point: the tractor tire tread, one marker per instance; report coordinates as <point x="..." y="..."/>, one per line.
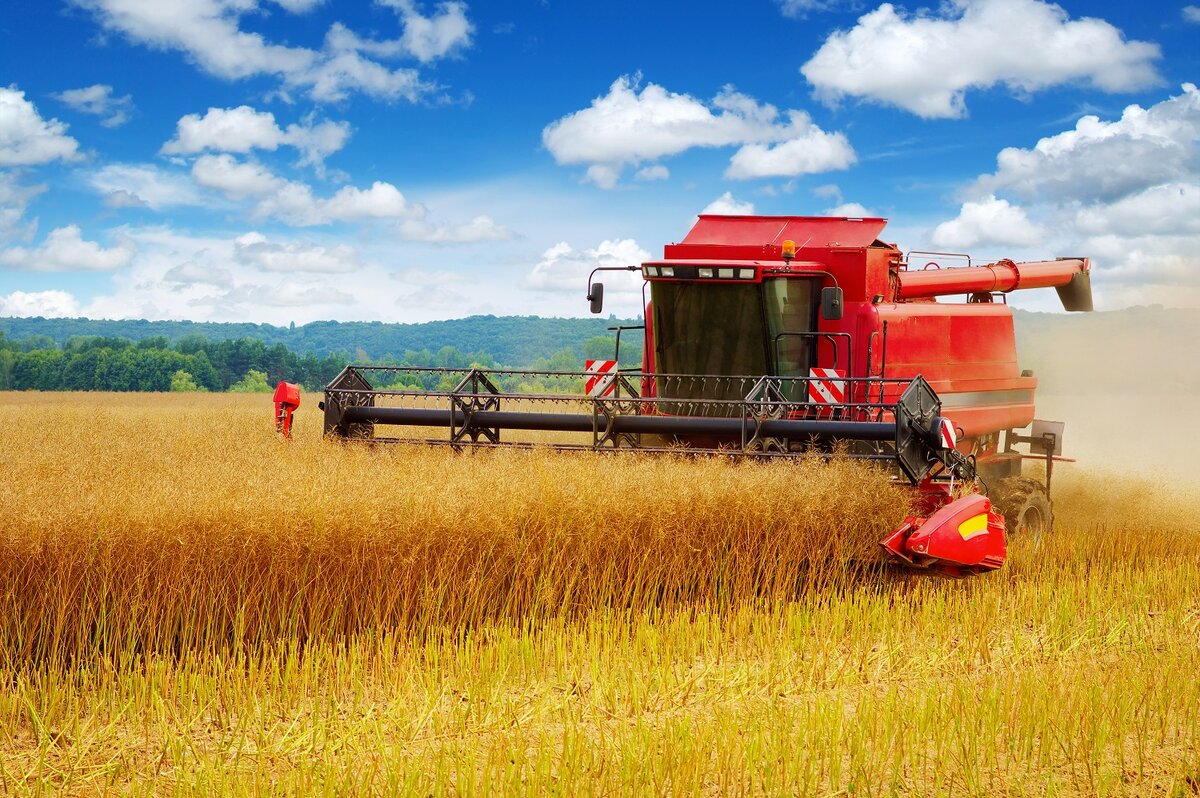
<point x="1018" y="497"/>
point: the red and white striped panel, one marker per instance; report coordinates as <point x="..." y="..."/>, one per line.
<point x="947" y="435"/>
<point x="826" y="386"/>
<point x="601" y="379"/>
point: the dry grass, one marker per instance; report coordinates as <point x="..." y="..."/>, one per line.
<point x="190" y="607"/>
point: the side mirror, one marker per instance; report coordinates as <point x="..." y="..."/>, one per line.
<point x="831" y="303"/>
<point x="597" y="297"/>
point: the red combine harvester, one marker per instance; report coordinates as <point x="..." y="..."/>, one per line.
<point x="784" y="336"/>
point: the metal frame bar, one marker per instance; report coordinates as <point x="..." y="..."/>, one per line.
<point x="1048" y="442"/>
<point x="760" y="422"/>
<point x="469" y="403"/>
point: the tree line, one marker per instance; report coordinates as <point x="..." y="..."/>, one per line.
<point x="195" y="363"/>
<point x="512" y="340"/>
<point x="155" y="364"/>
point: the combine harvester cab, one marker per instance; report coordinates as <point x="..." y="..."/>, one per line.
<point x="778" y="337"/>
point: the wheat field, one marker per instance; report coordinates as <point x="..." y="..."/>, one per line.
<point x="189" y="606"/>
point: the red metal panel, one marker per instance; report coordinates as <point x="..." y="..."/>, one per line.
<point x="809" y="232"/>
<point x="968" y="355"/>
<point x="917" y="337"/>
<point x="983" y="334"/>
<point x="983" y="419"/>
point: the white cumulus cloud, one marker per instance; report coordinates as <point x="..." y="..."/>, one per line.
<point x="1167" y="209"/>
<point x="926" y="62"/>
<point x="852" y="210"/>
<point x="1106" y="160"/>
<point x="190" y="273"/>
<point x="98" y="100"/>
<point x="563" y="268"/>
<point x="65" y="250"/>
<point x="295" y="204"/>
<point x="210" y="34"/>
<point x="799" y="9"/>
<point x="653" y="172"/>
<point x="812" y="150"/>
<point x="1191" y="14"/>
<point x="235" y="179"/>
<point x="481" y="228"/>
<point x="1125" y="193"/>
<point x="287" y="294"/>
<point x="269" y="277"/>
<point x="433" y="37"/>
<point x="15" y="197"/>
<point x="728" y="206"/>
<point x="126" y="185"/>
<point x="990" y="221"/>
<point x="243" y="129"/>
<point x="630" y="127"/>
<point x="299" y="6"/>
<point x="180" y="276"/>
<point x="255" y="249"/>
<point x="26" y="139"/>
<point x="603" y="175"/>
<point x="122" y="198"/>
<point x="51" y="304"/>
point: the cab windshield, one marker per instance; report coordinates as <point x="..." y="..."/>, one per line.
<point x="708" y="328"/>
<point x="741" y="329"/>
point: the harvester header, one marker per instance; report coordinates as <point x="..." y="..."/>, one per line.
<point x="780" y="337"/>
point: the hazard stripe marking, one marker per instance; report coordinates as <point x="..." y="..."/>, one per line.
<point x="601" y="380"/>
<point x="826" y="386"/>
<point x="949" y="439"/>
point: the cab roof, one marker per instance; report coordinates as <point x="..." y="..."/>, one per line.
<point x="760" y="236"/>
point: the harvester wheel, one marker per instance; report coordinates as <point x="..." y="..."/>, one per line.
<point x="1026" y="507"/>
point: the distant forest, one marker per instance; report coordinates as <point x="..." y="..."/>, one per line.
<point x="93" y="355"/>
<point x="1138" y="351"/>
<point x="511" y="340"/>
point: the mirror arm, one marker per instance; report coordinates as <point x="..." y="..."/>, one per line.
<point x="591" y="292"/>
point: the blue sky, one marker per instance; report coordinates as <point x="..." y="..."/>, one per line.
<point x="394" y="160"/>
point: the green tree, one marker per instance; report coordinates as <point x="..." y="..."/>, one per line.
<point x="562" y="360"/>
<point x="152" y="368"/>
<point x="155" y="342"/>
<point x="80" y="369"/>
<point x="39" y="370"/>
<point x="201" y="368"/>
<point x="253" y="382"/>
<point x="599" y="347"/>
<point x="191" y="343"/>
<point x="182" y="382"/>
<point x="8" y="359"/>
<point x="116" y="373"/>
<point x="33" y="343"/>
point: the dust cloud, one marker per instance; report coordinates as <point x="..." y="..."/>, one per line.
<point x="1126" y="382"/>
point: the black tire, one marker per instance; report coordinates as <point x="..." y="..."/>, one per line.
<point x="1025" y="505"/>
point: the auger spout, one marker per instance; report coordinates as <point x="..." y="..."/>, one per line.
<point x="1071" y="276"/>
